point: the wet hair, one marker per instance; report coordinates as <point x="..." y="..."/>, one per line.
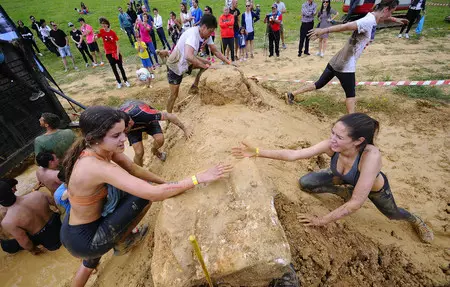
<point x="328" y="8"/>
<point x="10" y="181"/>
<point x="44" y="158"/>
<point x="209" y="9"/>
<point x="126" y="117"/>
<point x="184" y="9"/>
<point x="7" y="196"/>
<point x="390" y="4"/>
<point x="361" y="125"/>
<point x="105" y="21"/>
<point x="95" y="122"/>
<point x="51" y="119"/>
<point x="209" y="20"/>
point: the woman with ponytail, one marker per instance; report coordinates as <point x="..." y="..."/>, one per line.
<point x="93" y="166"/>
<point x="355" y="161"/>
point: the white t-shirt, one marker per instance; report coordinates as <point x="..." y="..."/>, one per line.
<point x="345" y="60"/>
<point x="248" y="22"/>
<point x="177" y="61"/>
<point x="281" y="7"/>
<point x="188" y="24"/>
<point x="158" y="21"/>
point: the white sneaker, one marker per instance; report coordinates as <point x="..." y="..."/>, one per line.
<point x="321" y="55"/>
<point x="119" y="85"/>
<point x="87" y="65"/>
<point x="102" y="64"/>
<point x="40" y="54"/>
<point x="65" y="70"/>
<point x="94" y="65"/>
<point x="75" y="68"/>
<point x="318" y="54"/>
<point x="407" y="36"/>
<point x="127" y="84"/>
<point x="399" y="36"/>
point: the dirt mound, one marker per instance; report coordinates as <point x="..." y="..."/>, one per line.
<point x="226" y="85"/>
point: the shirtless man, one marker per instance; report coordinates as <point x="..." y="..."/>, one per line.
<point x="29" y="219"/>
<point x="47" y="173"/>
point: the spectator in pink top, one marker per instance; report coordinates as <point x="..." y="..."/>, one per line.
<point x="88" y="32"/>
<point x="144" y="32"/>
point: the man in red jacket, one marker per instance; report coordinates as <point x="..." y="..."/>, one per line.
<point x="226" y="23"/>
<point x="274" y="20"/>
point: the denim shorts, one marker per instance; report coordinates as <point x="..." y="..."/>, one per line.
<point x="65" y="51"/>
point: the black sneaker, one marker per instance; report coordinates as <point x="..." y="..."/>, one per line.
<point x="307" y="54"/>
<point x="290" y="98"/>
<point x="289" y="279"/>
<point x="299" y="54"/>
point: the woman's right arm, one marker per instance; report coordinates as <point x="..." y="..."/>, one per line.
<point x="121" y="179"/>
<point x="245" y="150"/>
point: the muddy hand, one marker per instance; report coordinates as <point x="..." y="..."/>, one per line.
<point x="188" y="132"/>
<point x="310" y="220"/>
<point x="244" y="150"/>
<point x="314" y="33"/>
<point x="214" y="173"/>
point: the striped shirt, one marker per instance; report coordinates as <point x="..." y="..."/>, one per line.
<point x="308" y="11"/>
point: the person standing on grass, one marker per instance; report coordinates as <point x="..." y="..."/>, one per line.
<point x="174" y="28"/>
<point x="131" y="12"/>
<point x="77" y="38"/>
<point x="309" y="9"/>
<point x="160" y="29"/>
<point x="150" y="21"/>
<point x="45" y="33"/>
<point x="226" y="23"/>
<point x="145" y="118"/>
<point x="326" y="15"/>
<point x="61" y="41"/>
<point x="343" y="64"/>
<point x="236" y="13"/>
<point x="88" y="32"/>
<point x="184" y="57"/>
<point x="274" y="20"/>
<point x="144" y="31"/>
<point x="141" y="48"/>
<point x="281" y="7"/>
<point x="186" y="18"/>
<point x="36" y="26"/>
<point x="126" y="23"/>
<point x="412" y="15"/>
<point x="208" y="10"/>
<point x="248" y="18"/>
<point x="196" y="12"/>
<point x="27" y="36"/>
<point x="112" y="51"/>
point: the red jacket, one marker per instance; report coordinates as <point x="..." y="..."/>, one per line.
<point x="226" y="24"/>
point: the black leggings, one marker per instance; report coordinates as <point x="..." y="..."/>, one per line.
<point x="228" y="42"/>
<point x="90" y="241"/>
<point x="162" y="37"/>
<point x="412" y="15"/>
<point x="274" y="41"/>
<point x="323" y="181"/>
<point x="32" y="44"/>
<point x="304" y="28"/>
<point x="347" y="81"/>
<point x="84" y="51"/>
<point x="113" y="62"/>
<point x="207" y="51"/>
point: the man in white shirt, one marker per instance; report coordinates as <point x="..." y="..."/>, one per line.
<point x="343" y="64"/>
<point x="159" y="29"/>
<point x="184" y="56"/>
<point x="282" y="9"/>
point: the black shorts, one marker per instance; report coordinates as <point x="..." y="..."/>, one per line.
<point x="347" y="80"/>
<point x="173" y="78"/>
<point x="152" y="128"/>
<point x="251" y="36"/>
<point x="93" y="47"/>
<point x="91" y="240"/>
<point x="48" y="236"/>
<point x="10" y="246"/>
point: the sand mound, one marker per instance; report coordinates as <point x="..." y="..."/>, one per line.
<point x="226" y="85"/>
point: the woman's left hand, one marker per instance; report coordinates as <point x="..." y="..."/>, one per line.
<point x="311" y="220"/>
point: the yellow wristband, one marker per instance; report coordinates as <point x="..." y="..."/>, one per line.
<point x="257" y="151"/>
<point x="194" y="180"/>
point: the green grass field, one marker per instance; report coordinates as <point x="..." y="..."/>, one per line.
<point x="63" y="12"/>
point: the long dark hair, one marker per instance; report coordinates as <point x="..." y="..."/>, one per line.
<point x="184" y="10"/>
<point x="361" y="125"/>
<point x="209" y="9"/>
<point x="95" y="122"/>
<point x="328" y="8"/>
<point x="391" y="4"/>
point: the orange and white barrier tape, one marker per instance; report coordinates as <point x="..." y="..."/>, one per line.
<point x="384" y="84"/>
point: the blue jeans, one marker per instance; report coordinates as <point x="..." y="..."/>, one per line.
<point x="323" y="181"/>
<point x="152" y="52"/>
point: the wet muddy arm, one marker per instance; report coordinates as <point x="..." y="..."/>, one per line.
<point x="292" y="155"/>
<point x="20" y="235"/>
<point x="173" y="119"/>
<point x="124" y="162"/>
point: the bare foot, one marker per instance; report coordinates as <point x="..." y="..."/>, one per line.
<point x="188" y="132"/>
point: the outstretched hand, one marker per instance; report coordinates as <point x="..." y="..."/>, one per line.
<point x="310" y="220"/>
<point x="215" y="173"/>
<point x="313" y="34"/>
<point x="244" y="150"/>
